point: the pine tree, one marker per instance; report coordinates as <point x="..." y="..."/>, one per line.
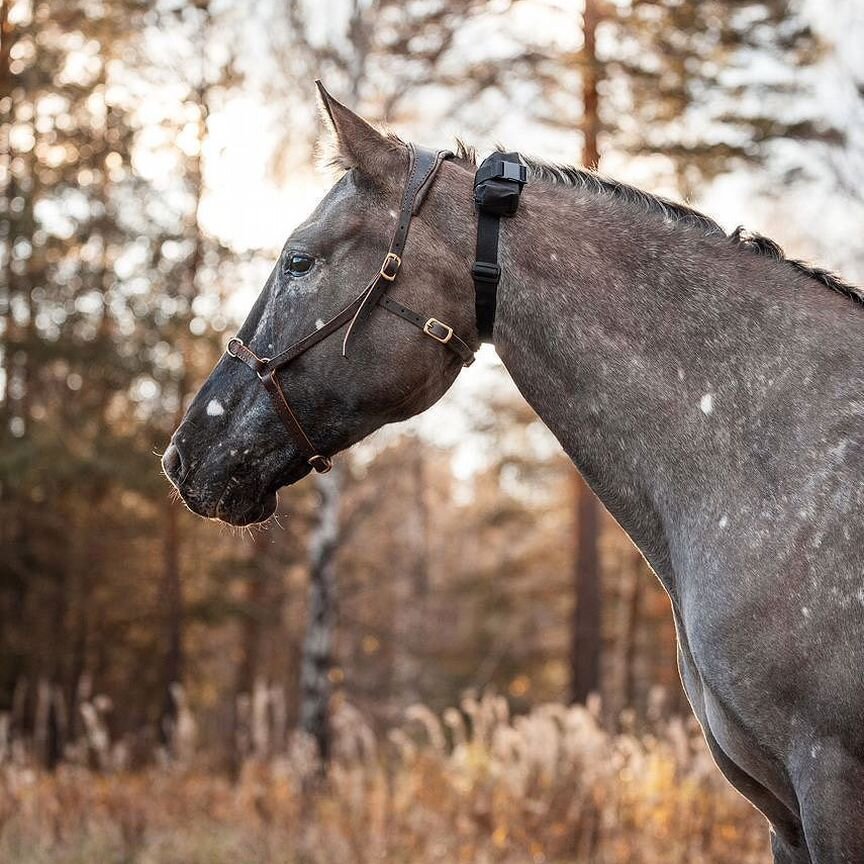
<point x="102" y="284"/>
<point x="68" y="145"/>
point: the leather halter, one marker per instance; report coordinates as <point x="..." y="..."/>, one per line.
<point x="422" y="167"/>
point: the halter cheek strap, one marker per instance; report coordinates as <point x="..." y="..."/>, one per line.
<point x="423" y="165"/>
<point x="422" y="168"/>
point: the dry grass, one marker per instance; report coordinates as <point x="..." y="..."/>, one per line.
<point x="474" y="786"/>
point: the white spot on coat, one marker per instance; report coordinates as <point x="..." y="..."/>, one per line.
<point x="214" y="408"/>
<point x="319" y="324"/>
<point x="706" y="403"/>
<point x="805" y="611"/>
<point x="724" y="521"/>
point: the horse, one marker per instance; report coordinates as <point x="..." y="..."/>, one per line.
<point x="709" y="389"/>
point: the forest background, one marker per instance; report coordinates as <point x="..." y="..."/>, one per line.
<point x="494" y="681"/>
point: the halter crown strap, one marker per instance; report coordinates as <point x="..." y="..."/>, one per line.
<point x="423" y="165"/>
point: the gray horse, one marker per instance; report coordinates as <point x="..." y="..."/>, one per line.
<point x="710" y="391"/>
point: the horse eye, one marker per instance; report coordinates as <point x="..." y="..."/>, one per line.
<point x="299" y="264"/>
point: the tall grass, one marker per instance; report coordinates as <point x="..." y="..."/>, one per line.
<point x="476" y="785"/>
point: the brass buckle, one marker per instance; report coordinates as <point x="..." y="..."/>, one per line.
<point x="392" y="257"/>
<point x="434" y="322"/>
<point x="231" y="342"/>
<point x="322" y="464"/>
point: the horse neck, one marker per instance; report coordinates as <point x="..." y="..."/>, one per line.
<point x="650" y="353"/>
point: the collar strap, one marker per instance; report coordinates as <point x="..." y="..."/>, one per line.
<point x="497" y="186"/>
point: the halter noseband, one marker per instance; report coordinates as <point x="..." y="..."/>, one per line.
<point x="422" y="168"/>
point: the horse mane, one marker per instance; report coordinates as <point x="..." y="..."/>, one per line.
<point x="762" y="245"/>
<point x="579" y="178"/>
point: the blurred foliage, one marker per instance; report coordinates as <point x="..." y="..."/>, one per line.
<point x="473" y="786"/>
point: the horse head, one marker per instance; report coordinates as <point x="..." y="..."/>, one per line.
<point x="333" y="364"/>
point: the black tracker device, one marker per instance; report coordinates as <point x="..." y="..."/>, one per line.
<point x="497" y="186"/>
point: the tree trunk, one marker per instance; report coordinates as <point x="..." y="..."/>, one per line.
<point x="172" y="595"/>
<point x="172" y="603"/>
<point x="317" y="644"/>
<point x="6" y="39"/>
<point x="586" y="639"/>
<point x="410" y="609"/>
<point x="586" y="636"/>
<point x="631" y="628"/>
<point x="590" y="77"/>
<point x="247" y="669"/>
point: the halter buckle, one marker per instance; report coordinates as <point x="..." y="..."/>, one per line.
<point x="439" y="331"/>
<point x="385" y="272"/>
<point x="232" y="341"/>
<point x="322" y="464"/>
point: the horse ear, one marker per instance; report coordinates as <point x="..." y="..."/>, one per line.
<point x="355" y="144"/>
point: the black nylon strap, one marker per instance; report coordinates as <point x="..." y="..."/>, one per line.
<point x="486" y="273"/>
<point x="497" y="186"/>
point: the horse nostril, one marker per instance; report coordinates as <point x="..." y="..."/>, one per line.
<point x="172" y="463"/>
